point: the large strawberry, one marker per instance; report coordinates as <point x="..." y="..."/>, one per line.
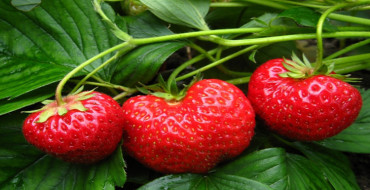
<point x="299" y="104"/>
<point x="85" y="129"/>
<point x="213" y="122"/>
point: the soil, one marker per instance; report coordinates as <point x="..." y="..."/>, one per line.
<point x="361" y="168"/>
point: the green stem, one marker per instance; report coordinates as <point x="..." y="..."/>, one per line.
<point x="284" y="38"/>
<point x="350" y="63"/>
<point x="350" y="19"/>
<point x="196" y="59"/>
<point x="142" y="41"/>
<point x="352" y="67"/>
<point x="348" y="49"/>
<point x="339" y="17"/>
<point x="118" y="54"/>
<point x="231" y="56"/>
<point x="267" y="3"/>
<point x="348" y="59"/>
<point x="320" y="24"/>
<point x="228" y="4"/>
<point x="114" y="28"/>
<point x="105" y="84"/>
<point x="202" y="51"/>
<point x="237" y="81"/>
<point x="227" y="71"/>
<point x="58" y="91"/>
<point x="302" y="4"/>
<point x="353" y="28"/>
<point x="124" y="94"/>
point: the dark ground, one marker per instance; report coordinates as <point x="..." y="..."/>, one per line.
<point x="361" y="168"/>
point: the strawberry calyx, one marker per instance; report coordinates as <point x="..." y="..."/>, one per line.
<point x="168" y="90"/>
<point x="299" y="69"/>
<point x="70" y="102"/>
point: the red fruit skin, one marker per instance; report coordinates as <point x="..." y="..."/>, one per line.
<point x="79" y="136"/>
<point x="309" y="109"/>
<point x="212" y="123"/>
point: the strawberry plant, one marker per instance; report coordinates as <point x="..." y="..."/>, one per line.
<point x="292" y="131"/>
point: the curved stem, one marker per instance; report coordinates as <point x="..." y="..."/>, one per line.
<point x="284" y="38"/>
<point x="350" y="19"/>
<point x="227" y="71"/>
<point x="320" y="24"/>
<point x="267" y="3"/>
<point x="115" y="29"/>
<point x="124" y="94"/>
<point x="350" y="63"/>
<point x="105" y="84"/>
<point x="118" y="54"/>
<point x="202" y="51"/>
<point x="339" y="17"/>
<point x="311" y="5"/>
<point x="228" y="4"/>
<point x="242" y="80"/>
<point x="58" y="91"/>
<point x="196" y="59"/>
<point x="141" y="41"/>
<point x="352" y="67"/>
<point x="348" y="49"/>
<point x="231" y="56"/>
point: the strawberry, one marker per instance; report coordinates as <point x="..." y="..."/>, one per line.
<point x="299" y="104"/>
<point x="213" y="122"/>
<point x="85" y="129"/>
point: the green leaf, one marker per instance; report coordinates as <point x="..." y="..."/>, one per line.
<point x="9" y="105"/>
<point x="25" y="5"/>
<point x="304" y="174"/>
<point x="333" y="164"/>
<point x="143" y="63"/>
<point x="306" y="17"/>
<point x="207" y="182"/>
<point x="24" y="167"/>
<point x="14" y="71"/>
<point x="262" y="21"/>
<point x="188" y="13"/>
<point x="51" y="40"/>
<point x="15" y="152"/>
<point x="355" y="138"/>
<point x="146" y="25"/>
<point x="266" y="166"/>
<point x="282" y="49"/>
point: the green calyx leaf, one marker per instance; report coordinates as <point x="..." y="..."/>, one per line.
<point x="45" y="115"/>
<point x="297" y="68"/>
<point x="72" y="102"/>
<point x="168" y="90"/>
<point x="77" y="106"/>
<point x="62" y="111"/>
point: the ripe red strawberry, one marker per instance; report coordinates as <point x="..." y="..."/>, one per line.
<point x="86" y="129"/>
<point x="307" y="109"/>
<point x="213" y="122"/>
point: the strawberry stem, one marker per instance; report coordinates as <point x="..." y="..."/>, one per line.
<point x="220" y="61"/>
<point x="59" y="89"/>
<point x="348" y="49"/>
<point x="114" y="28"/>
<point x="117" y="55"/>
<point x="319" y="36"/>
<point x="196" y="59"/>
<point x="237" y="81"/>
